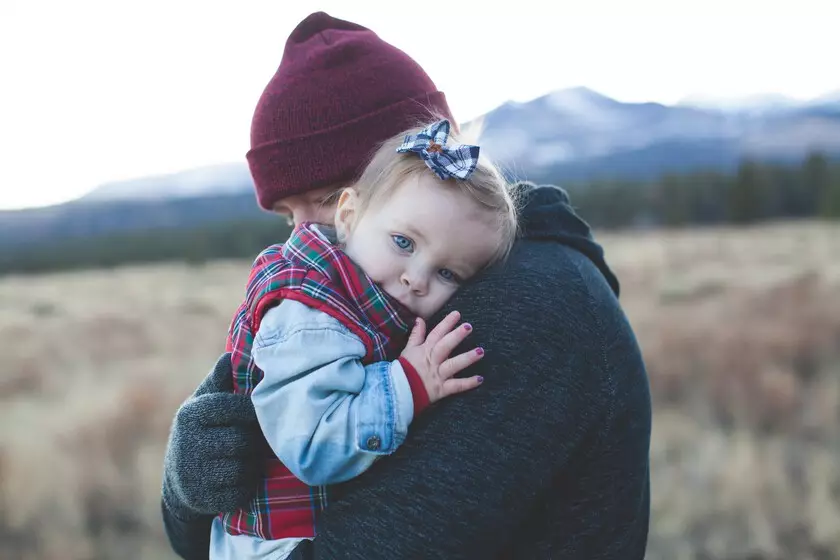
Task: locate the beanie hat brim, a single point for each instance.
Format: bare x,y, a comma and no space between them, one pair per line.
296,165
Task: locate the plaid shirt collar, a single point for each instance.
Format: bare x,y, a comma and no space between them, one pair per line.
316,246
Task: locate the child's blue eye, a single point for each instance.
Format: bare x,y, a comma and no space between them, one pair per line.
447,275
402,242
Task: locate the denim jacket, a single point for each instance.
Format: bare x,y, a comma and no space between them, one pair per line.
324,414
318,406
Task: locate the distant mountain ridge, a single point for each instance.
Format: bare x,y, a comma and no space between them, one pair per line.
229,178
580,134
574,134
760,103
82,218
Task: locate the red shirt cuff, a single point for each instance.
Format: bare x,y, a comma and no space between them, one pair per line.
418,390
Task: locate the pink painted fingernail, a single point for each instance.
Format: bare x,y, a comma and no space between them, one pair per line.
467,327
479,351
480,379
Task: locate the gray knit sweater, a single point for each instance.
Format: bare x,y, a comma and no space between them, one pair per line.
547,459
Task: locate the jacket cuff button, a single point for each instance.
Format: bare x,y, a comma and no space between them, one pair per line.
373,443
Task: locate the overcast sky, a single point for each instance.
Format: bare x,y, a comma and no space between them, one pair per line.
96,91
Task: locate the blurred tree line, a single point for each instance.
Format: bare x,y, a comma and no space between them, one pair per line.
237,239
755,192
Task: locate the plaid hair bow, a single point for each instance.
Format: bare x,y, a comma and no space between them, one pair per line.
456,161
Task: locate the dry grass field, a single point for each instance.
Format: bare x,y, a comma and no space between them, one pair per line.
740,330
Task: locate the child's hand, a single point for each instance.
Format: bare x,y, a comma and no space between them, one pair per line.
430,357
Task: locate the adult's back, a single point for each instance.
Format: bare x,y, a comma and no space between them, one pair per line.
549,458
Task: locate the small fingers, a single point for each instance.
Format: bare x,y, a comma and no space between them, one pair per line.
450,341
418,333
457,385
441,329
460,362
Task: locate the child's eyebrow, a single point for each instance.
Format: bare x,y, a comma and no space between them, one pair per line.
412,231
464,269
468,272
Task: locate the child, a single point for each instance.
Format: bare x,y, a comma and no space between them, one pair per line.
320,341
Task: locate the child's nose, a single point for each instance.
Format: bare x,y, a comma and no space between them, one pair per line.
415,281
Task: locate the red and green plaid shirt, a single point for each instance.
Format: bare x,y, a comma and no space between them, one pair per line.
311,269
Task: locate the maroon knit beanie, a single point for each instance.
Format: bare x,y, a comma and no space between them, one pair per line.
339,92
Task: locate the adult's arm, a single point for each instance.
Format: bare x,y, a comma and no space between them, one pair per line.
474,466
211,462
190,538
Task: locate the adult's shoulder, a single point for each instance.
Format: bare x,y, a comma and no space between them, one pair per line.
542,281
547,214
539,302
556,294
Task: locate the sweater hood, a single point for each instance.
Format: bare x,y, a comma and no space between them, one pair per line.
546,214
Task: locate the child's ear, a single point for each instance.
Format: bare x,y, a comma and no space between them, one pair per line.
346,212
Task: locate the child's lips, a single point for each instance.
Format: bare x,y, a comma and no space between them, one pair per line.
405,302
403,299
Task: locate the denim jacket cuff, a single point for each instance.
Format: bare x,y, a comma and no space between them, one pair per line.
386,409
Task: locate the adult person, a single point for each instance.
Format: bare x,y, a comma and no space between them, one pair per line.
548,459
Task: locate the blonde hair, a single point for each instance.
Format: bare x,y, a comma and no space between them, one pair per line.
486,186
